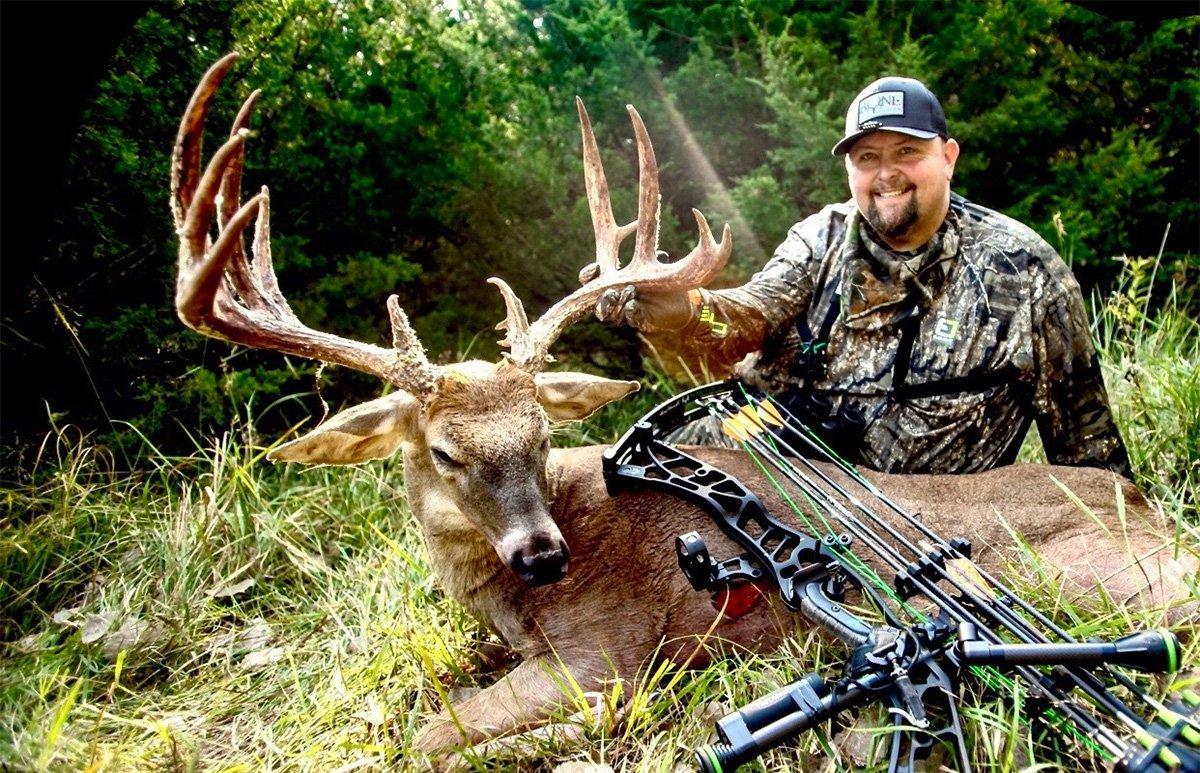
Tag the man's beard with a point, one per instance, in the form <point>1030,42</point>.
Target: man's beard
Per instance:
<point>897,224</point>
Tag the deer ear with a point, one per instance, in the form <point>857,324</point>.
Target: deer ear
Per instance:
<point>372,430</point>
<point>569,396</point>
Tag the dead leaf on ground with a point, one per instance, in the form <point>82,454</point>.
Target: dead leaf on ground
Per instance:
<point>254,637</point>
<point>578,766</point>
<point>28,644</point>
<point>236,589</point>
<point>133,634</point>
<point>262,658</point>
<point>373,713</point>
<point>70,616</point>
<point>96,625</point>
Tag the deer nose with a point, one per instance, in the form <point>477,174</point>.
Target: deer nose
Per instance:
<point>541,560</point>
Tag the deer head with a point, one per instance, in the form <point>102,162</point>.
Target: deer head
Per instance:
<point>476,434</point>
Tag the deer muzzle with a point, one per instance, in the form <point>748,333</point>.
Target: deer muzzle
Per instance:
<point>538,557</point>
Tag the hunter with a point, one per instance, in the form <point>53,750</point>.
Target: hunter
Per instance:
<point>920,332</point>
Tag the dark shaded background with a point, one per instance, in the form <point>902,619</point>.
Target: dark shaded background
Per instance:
<point>52,55</point>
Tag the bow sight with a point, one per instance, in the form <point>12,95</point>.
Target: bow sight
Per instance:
<point>913,661</point>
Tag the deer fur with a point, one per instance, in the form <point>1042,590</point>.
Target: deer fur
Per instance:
<point>624,600</point>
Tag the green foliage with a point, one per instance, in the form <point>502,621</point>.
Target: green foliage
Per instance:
<point>1098,185</point>
<point>417,148</point>
<point>1150,360</point>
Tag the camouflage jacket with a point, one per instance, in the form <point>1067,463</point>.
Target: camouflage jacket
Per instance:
<point>990,316</point>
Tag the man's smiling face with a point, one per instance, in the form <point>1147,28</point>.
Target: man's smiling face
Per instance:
<point>901,185</point>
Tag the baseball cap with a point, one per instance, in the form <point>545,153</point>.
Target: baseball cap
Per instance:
<point>893,104</point>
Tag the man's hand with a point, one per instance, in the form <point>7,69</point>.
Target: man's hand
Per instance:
<point>647,312</point>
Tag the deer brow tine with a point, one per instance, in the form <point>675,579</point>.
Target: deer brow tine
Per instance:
<point>516,323</point>
<point>415,373</point>
<point>404,338</point>
<point>185,158</point>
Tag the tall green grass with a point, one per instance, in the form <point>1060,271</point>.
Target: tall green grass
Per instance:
<point>1151,361</point>
<point>217,612</point>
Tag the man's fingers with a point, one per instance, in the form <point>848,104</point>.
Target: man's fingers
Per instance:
<point>609,307</point>
<point>588,273</point>
<point>648,313</point>
<point>636,316</point>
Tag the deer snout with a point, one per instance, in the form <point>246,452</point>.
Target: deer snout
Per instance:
<point>538,558</point>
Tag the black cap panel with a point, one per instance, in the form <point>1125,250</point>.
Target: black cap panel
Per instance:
<point>893,104</point>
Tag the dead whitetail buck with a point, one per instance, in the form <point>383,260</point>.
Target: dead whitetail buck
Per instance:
<point>502,512</point>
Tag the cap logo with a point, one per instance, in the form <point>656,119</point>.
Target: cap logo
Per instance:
<point>880,104</point>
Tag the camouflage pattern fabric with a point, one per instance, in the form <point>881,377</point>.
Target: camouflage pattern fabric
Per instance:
<point>996,323</point>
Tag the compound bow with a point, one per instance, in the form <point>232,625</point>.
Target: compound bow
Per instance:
<point>913,661</point>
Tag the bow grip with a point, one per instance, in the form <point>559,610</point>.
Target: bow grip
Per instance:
<point>830,615</point>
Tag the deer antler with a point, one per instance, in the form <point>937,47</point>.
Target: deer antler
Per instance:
<point>221,293</point>
<point>529,344</point>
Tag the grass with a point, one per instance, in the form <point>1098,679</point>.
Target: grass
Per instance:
<point>215,612</point>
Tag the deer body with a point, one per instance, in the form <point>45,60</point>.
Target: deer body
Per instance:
<point>526,538</point>
<point>625,601</point>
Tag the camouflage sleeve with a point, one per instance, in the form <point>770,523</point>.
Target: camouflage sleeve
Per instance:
<point>1070,401</point>
<point>729,324</point>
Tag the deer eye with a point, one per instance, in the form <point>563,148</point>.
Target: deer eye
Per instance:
<point>445,459</point>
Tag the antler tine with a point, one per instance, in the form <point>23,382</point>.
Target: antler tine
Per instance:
<point>185,160</point>
<point>231,183</point>
<point>242,303</point>
<point>702,265</point>
<point>645,247</point>
<point>707,259</point>
<point>515,324</point>
<point>197,289</point>
<point>263,268</point>
<point>230,200</point>
<point>609,236</point>
<point>416,374</point>
<point>199,214</point>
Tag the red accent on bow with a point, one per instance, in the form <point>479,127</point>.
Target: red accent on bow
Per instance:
<point>738,599</point>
